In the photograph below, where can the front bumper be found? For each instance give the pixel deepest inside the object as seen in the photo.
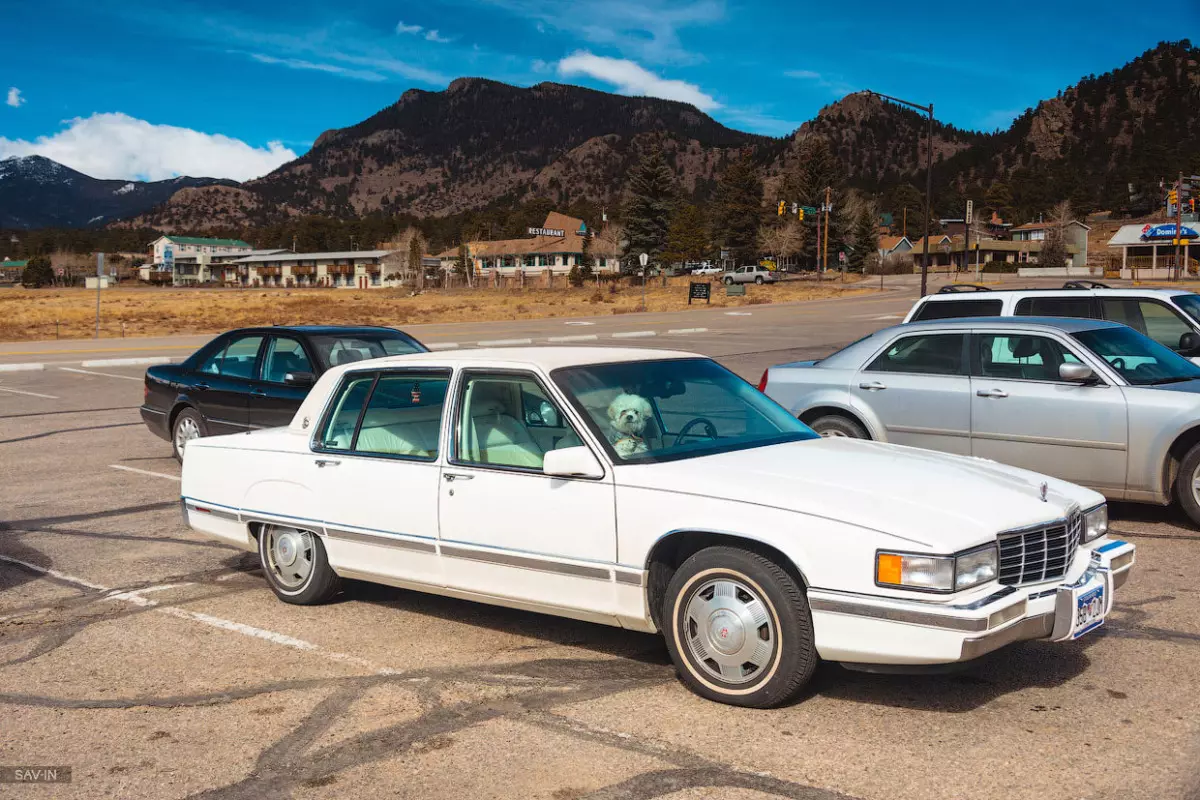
(860, 629)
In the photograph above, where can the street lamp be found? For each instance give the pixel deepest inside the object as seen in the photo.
(928, 178)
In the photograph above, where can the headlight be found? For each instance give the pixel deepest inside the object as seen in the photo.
(1095, 522)
(936, 573)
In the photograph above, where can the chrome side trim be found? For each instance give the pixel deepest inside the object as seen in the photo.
(632, 578)
(927, 431)
(527, 562)
(897, 615)
(1038, 627)
(1052, 440)
(382, 540)
(202, 508)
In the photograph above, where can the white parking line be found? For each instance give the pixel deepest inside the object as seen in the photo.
(441, 345)
(102, 374)
(633, 334)
(126, 362)
(578, 322)
(890, 316)
(134, 597)
(21, 367)
(688, 330)
(739, 313)
(579, 337)
(503, 342)
(144, 472)
(31, 394)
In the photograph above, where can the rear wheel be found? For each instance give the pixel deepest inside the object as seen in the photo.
(738, 628)
(188, 425)
(296, 566)
(838, 426)
(1187, 485)
(759, 280)
(729, 281)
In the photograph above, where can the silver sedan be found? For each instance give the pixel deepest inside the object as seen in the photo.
(1092, 402)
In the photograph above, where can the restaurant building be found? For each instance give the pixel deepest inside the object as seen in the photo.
(1152, 246)
(553, 249)
(351, 269)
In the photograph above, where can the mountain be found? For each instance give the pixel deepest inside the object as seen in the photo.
(438, 153)
(36, 192)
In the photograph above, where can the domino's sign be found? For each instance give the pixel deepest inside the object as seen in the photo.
(1168, 232)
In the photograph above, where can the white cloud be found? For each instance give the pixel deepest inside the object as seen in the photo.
(433, 36)
(631, 78)
(834, 84)
(117, 145)
(296, 63)
(402, 28)
(14, 97)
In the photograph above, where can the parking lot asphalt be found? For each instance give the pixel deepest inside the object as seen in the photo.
(156, 664)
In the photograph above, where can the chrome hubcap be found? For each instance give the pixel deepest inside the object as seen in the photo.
(833, 433)
(185, 431)
(1196, 485)
(290, 554)
(729, 631)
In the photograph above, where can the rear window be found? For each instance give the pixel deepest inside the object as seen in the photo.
(950, 309)
(1077, 307)
(346, 348)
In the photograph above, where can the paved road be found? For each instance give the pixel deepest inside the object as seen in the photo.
(160, 665)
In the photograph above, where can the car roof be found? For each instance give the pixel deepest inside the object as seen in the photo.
(311, 329)
(990, 294)
(1065, 324)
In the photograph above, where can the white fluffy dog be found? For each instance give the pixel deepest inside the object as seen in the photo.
(629, 414)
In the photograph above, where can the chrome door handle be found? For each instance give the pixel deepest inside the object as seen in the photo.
(991, 393)
(456, 476)
(327, 462)
(200, 387)
(872, 386)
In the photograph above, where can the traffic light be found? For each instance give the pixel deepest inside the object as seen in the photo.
(781, 204)
(800, 214)
(1172, 197)
(1192, 203)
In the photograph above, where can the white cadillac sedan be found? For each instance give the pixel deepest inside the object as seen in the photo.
(656, 491)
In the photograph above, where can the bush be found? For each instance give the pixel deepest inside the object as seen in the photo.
(575, 277)
(37, 273)
(1003, 267)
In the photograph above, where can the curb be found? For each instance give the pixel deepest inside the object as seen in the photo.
(441, 345)
(125, 362)
(21, 367)
(503, 342)
(634, 334)
(581, 337)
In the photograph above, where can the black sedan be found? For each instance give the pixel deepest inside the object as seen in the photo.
(255, 377)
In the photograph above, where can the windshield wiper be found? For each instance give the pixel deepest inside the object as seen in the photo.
(1162, 381)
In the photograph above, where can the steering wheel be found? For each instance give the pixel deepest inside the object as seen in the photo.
(710, 430)
(1118, 364)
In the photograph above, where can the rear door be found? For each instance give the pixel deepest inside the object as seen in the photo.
(919, 389)
(273, 402)
(1023, 414)
(221, 384)
(1149, 316)
(954, 309)
(1079, 306)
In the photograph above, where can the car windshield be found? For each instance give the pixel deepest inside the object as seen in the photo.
(344, 348)
(1139, 359)
(648, 411)
(1190, 303)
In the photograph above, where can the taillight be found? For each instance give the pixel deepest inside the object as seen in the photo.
(145, 390)
(762, 383)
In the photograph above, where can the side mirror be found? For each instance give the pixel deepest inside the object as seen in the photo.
(572, 462)
(1076, 373)
(299, 379)
(1189, 343)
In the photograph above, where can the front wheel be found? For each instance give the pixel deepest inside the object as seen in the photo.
(296, 566)
(838, 427)
(739, 629)
(729, 281)
(1187, 485)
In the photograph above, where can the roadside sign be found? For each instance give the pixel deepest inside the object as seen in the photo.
(724, 255)
(970, 211)
(808, 209)
(735, 289)
(842, 257)
(699, 291)
(644, 259)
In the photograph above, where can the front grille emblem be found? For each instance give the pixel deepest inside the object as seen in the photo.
(1042, 492)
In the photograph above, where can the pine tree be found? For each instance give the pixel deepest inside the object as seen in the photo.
(37, 273)
(687, 239)
(817, 171)
(738, 212)
(866, 239)
(650, 199)
(416, 255)
(587, 263)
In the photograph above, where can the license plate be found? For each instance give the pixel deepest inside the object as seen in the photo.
(1089, 611)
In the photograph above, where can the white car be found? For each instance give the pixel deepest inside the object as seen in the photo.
(707, 269)
(655, 491)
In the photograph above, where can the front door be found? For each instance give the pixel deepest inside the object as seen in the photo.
(1024, 414)
(273, 401)
(376, 459)
(918, 388)
(507, 529)
(221, 385)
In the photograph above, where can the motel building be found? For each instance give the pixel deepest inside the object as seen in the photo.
(552, 249)
(1150, 246)
(351, 269)
(11, 270)
(186, 260)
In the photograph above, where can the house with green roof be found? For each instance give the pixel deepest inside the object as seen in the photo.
(10, 271)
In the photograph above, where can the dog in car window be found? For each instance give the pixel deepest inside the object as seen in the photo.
(629, 414)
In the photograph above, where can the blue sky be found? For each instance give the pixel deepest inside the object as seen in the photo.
(145, 89)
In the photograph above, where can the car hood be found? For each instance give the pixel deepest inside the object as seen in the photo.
(934, 500)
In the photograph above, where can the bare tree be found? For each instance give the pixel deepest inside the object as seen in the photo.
(780, 241)
(1054, 246)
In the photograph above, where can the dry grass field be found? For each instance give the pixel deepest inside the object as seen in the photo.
(35, 314)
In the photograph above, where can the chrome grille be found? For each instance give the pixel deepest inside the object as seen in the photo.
(1040, 554)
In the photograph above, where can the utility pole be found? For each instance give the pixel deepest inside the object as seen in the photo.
(825, 247)
(967, 233)
(928, 180)
(99, 274)
(818, 247)
(1179, 274)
